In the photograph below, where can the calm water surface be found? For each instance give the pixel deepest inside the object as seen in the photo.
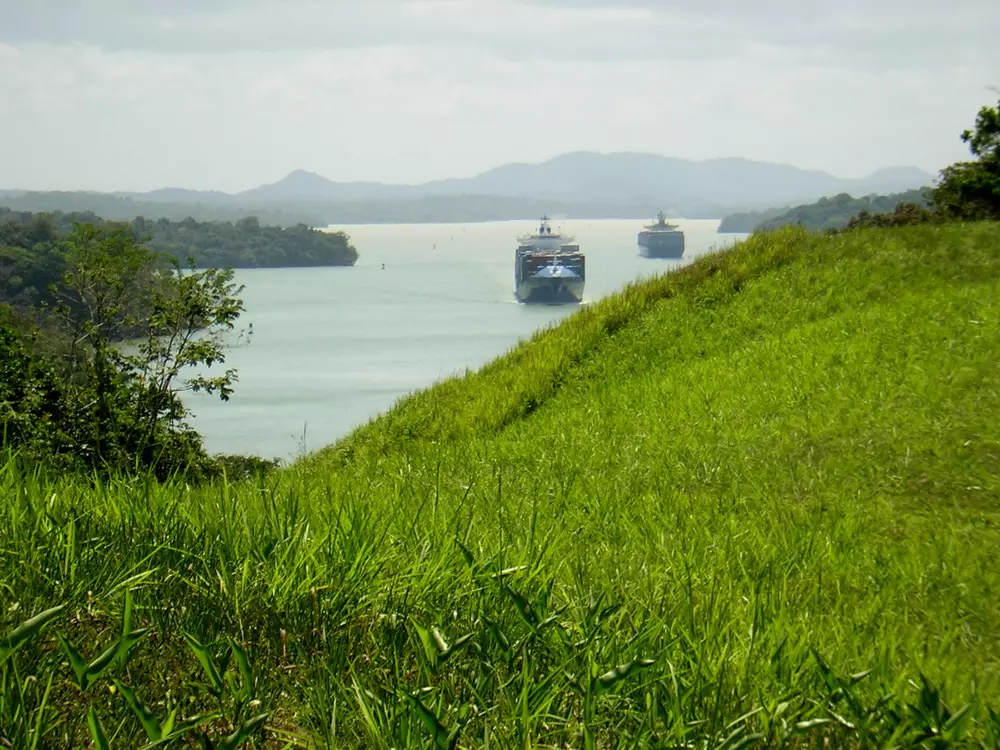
(333, 347)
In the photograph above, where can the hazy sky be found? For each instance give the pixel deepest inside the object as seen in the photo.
(229, 94)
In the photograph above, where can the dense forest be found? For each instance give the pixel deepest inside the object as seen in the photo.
(824, 214)
(243, 244)
(125, 208)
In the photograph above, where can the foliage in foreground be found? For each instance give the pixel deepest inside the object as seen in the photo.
(76, 396)
(753, 502)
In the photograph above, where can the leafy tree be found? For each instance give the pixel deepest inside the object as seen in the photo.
(984, 138)
(971, 189)
(35, 412)
(114, 289)
(131, 334)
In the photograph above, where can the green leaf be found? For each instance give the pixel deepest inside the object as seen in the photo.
(115, 652)
(442, 737)
(430, 647)
(127, 613)
(954, 728)
(206, 663)
(523, 607)
(171, 730)
(97, 730)
(455, 647)
(243, 664)
(128, 641)
(243, 733)
(591, 617)
(127, 629)
(76, 661)
(609, 679)
(167, 727)
(146, 718)
(27, 629)
(469, 559)
(497, 633)
(745, 742)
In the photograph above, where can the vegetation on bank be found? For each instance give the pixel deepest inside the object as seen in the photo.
(93, 364)
(753, 501)
(243, 244)
(825, 214)
(967, 190)
(74, 289)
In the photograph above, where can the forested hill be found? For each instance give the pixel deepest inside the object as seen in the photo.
(826, 213)
(241, 244)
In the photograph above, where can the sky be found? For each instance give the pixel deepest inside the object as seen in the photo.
(229, 94)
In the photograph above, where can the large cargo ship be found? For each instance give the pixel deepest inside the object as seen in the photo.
(548, 267)
(661, 240)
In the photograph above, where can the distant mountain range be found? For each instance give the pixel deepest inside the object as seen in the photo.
(575, 185)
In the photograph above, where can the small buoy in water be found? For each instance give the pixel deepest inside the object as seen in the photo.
(383, 266)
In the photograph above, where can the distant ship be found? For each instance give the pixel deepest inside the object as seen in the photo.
(661, 240)
(548, 267)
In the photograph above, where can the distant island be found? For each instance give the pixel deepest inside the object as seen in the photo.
(579, 185)
(825, 214)
(31, 253)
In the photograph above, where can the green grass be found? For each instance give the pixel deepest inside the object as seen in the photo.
(766, 473)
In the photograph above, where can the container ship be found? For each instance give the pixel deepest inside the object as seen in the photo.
(548, 267)
(661, 240)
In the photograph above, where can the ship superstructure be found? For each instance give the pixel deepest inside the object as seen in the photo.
(661, 240)
(548, 267)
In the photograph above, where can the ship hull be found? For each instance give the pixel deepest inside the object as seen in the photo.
(550, 291)
(661, 245)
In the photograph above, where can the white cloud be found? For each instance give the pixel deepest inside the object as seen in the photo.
(110, 94)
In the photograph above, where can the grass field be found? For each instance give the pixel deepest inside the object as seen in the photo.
(753, 502)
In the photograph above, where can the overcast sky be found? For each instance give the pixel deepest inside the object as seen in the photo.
(229, 94)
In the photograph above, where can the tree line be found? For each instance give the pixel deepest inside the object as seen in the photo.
(825, 214)
(967, 190)
(102, 328)
(245, 243)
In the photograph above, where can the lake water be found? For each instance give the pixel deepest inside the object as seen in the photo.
(333, 347)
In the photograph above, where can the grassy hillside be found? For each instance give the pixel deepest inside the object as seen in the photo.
(766, 488)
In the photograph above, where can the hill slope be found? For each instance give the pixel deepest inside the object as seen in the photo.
(615, 179)
(773, 469)
(631, 177)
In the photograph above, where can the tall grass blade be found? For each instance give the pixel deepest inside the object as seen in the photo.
(428, 642)
(442, 737)
(77, 662)
(205, 659)
(243, 664)
(97, 734)
(27, 629)
(145, 716)
(243, 733)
